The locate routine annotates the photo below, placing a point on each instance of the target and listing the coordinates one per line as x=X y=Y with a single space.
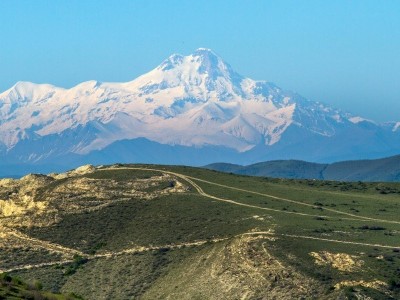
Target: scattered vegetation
x=294 y=218
x=372 y=227
x=12 y=287
x=77 y=263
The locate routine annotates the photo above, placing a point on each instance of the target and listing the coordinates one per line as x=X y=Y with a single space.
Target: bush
x=78 y=262
x=38 y=285
x=367 y=227
x=5 y=277
x=394 y=284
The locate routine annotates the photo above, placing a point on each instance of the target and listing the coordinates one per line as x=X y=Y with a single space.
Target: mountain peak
x=214 y=66
x=202 y=68
x=207 y=60
x=204 y=52
x=207 y=56
x=23 y=86
x=25 y=90
x=204 y=49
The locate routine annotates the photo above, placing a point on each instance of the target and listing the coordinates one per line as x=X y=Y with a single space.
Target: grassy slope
x=15 y=288
x=385 y=169
x=188 y=217
x=278 y=169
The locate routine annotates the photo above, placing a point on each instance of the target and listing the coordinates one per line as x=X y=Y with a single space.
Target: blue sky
x=344 y=53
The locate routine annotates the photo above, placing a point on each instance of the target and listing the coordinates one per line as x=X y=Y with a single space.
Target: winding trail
x=297 y=202
x=319 y=239
x=52 y=247
x=35 y=266
x=137 y=249
x=190 y=179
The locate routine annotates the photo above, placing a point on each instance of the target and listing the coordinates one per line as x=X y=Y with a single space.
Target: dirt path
x=152 y=248
x=137 y=249
x=297 y=202
x=190 y=179
x=35 y=266
x=201 y=192
x=52 y=247
x=319 y=239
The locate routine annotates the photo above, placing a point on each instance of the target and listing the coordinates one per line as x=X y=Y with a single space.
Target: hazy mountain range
x=384 y=169
x=191 y=109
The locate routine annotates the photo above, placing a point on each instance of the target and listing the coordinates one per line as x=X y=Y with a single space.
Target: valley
x=159 y=232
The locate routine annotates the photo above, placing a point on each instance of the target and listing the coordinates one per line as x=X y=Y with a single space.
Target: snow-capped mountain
x=195 y=102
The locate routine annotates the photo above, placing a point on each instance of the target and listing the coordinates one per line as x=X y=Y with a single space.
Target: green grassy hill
x=15 y=288
x=294 y=169
x=169 y=232
x=384 y=169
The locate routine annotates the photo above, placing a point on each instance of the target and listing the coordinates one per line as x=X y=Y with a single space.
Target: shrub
x=367 y=227
x=394 y=284
x=78 y=262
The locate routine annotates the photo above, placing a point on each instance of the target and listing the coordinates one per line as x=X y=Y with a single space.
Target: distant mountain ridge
x=197 y=102
x=384 y=169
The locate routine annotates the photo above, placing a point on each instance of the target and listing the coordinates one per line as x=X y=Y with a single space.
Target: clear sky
x=343 y=53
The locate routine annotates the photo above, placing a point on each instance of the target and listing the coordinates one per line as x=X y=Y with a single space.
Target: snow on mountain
x=195 y=100
x=396 y=126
